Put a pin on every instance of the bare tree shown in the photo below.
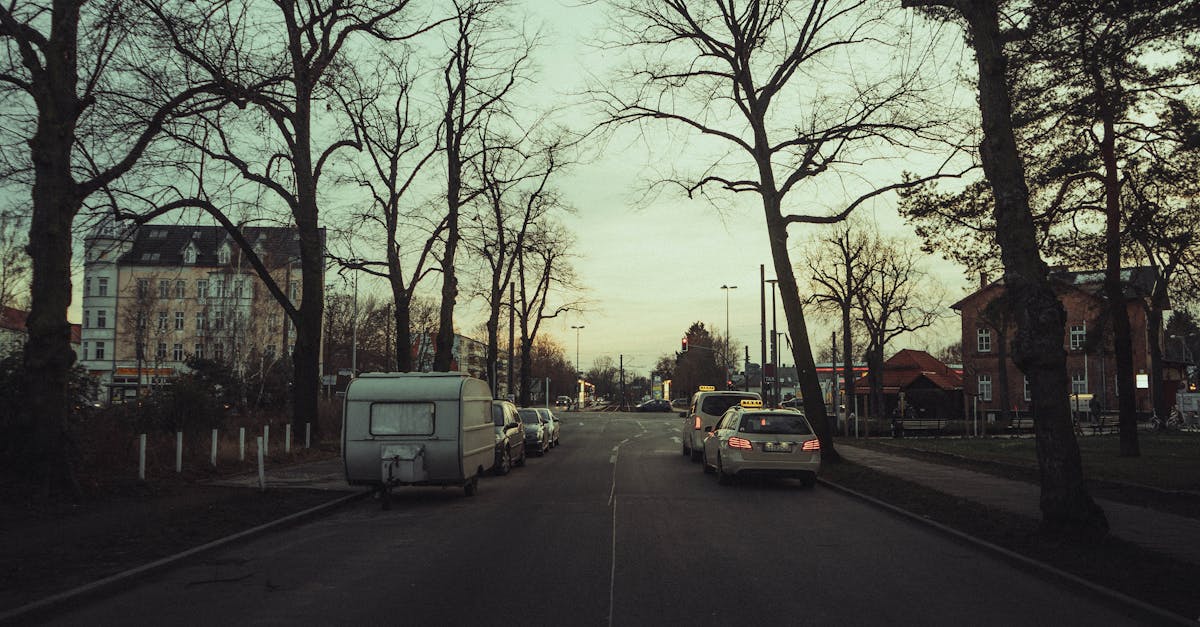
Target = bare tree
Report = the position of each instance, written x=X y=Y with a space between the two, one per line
x=544 y=275
x=290 y=59
x=482 y=68
x=733 y=74
x=14 y=262
x=88 y=97
x=1038 y=345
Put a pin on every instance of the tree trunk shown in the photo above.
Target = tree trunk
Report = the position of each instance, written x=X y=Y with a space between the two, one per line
x=306 y=356
x=1154 y=325
x=1113 y=290
x=793 y=313
x=526 y=371
x=847 y=354
x=1038 y=344
x=875 y=380
x=1002 y=371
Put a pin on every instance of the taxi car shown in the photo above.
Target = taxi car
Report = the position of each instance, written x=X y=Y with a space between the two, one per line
x=749 y=439
x=706 y=407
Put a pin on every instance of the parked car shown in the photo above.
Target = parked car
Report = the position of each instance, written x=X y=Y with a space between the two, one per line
x=655 y=404
x=705 y=409
x=553 y=425
x=537 y=433
x=752 y=440
x=510 y=437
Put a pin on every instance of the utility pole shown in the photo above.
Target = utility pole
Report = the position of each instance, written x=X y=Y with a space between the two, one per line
x=762 y=306
x=747 y=370
x=774 y=348
x=833 y=382
x=622 y=371
x=512 y=308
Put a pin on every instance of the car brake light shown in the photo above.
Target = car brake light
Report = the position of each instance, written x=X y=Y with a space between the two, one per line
x=698 y=422
x=741 y=443
x=811 y=445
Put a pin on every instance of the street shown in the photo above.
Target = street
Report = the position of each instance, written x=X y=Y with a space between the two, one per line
x=615 y=527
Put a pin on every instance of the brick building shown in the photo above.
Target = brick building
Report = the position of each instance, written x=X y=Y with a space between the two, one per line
x=990 y=378
x=13 y=333
x=156 y=294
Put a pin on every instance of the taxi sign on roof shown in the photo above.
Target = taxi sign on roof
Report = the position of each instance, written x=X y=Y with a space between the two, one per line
x=708 y=388
x=752 y=403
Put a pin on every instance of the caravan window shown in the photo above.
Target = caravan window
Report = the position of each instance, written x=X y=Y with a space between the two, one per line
x=402 y=419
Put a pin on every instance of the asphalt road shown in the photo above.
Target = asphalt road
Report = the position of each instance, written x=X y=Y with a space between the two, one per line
x=615 y=527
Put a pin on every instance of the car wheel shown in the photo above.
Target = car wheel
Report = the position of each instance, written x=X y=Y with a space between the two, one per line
x=471 y=487
x=722 y=478
x=521 y=460
x=505 y=464
x=708 y=470
x=698 y=456
x=686 y=451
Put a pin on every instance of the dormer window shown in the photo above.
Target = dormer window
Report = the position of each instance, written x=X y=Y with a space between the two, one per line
x=223 y=254
x=189 y=254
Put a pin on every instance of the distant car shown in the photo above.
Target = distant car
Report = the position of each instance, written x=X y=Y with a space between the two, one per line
x=752 y=440
x=537 y=432
x=553 y=426
x=705 y=409
x=510 y=437
x=655 y=404
x=563 y=402
x=793 y=403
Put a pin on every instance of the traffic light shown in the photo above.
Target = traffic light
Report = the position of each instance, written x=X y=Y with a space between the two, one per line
x=684 y=349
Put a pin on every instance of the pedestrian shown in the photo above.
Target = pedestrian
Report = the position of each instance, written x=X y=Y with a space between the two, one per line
x=897 y=423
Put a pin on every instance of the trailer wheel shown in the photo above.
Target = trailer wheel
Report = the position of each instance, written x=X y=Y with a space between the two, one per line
x=471 y=486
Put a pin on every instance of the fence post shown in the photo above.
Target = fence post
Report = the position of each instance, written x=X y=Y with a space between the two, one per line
x=262 y=480
x=214 y=449
x=178 y=451
x=287 y=438
x=241 y=444
x=266 y=440
x=308 y=435
x=141 y=457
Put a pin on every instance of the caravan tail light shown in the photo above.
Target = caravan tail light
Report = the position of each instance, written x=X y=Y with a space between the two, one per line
x=698 y=423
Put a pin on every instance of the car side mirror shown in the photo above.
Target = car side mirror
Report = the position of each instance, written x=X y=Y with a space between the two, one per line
x=511 y=425
x=708 y=429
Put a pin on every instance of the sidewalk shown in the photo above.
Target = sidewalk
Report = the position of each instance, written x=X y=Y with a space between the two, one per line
x=1157 y=531
x=329 y=474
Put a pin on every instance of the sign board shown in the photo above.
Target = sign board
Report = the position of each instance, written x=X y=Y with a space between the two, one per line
x=1143 y=381
x=329 y=379
x=1081 y=402
x=1188 y=401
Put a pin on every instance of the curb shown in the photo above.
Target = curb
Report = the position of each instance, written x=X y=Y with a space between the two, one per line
x=69 y=598
x=1159 y=615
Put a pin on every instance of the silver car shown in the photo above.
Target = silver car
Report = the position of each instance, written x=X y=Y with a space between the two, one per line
x=752 y=440
x=537 y=433
x=553 y=425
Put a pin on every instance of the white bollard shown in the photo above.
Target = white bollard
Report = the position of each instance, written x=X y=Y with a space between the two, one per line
x=266 y=440
x=241 y=444
x=262 y=479
x=308 y=435
x=287 y=438
x=142 y=457
x=178 y=451
x=214 y=449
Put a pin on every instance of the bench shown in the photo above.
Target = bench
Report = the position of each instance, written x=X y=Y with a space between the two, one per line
x=1103 y=422
x=929 y=425
x=1020 y=423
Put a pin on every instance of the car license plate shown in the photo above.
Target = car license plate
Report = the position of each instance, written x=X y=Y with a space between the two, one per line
x=777 y=447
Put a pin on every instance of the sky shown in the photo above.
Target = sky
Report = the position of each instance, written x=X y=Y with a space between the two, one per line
x=654 y=263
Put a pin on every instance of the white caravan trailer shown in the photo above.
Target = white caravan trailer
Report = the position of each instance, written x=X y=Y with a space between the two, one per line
x=417 y=429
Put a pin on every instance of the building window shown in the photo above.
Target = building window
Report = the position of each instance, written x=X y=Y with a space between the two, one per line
x=161 y=353
x=219 y=351
x=218 y=320
x=200 y=351
x=87 y=287
x=179 y=321
x=164 y=289
x=1079 y=382
x=223 y=255
x=162 y=321
x=177 y=352
x=201 y=290
x=102 y=287
x=1028 y=396
x=87 y=318
x=985 y=387
x=1078 y=337
x=983 y=340
x=218 y=288
x=273 y=322
x=293 y=290
x=101 y=319
x=85 y=347
x=143 y=288
x=180 y=289
x=189 y=255
x=201 y=321
x=141 y=320
x=270 y=351
x=99 y=350
x=238 y=286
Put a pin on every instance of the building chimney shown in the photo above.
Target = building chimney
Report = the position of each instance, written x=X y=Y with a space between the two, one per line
x=983 y=280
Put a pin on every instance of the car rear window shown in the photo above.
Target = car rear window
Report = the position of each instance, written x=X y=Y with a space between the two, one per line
x=792 y=424
x=498 y=415
x=717 y=404
x=528 y=415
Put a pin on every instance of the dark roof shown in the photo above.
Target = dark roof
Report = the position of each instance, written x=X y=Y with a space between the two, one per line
x=164 y=245
x=908 y=365
x=1136 y=282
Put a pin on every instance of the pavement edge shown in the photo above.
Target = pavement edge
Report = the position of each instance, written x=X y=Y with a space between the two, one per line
x=1105 y=594
x=70 y=598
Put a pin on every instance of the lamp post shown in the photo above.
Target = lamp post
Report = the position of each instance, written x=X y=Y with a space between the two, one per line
x=578 y=378
x=774 y=348
x=728 y=335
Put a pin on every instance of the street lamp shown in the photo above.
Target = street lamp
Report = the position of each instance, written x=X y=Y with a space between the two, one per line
x=577 y=328
x=774 y=348
x=728 y=335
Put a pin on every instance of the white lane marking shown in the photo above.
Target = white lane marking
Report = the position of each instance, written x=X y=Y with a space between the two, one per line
x=612 y=574
x=678 y=440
